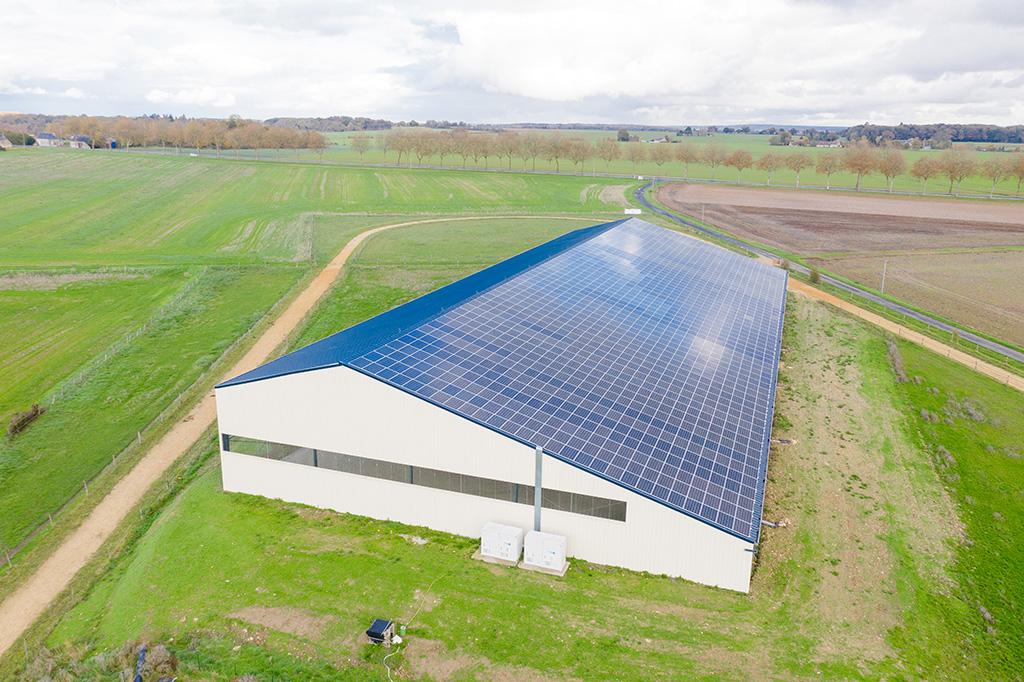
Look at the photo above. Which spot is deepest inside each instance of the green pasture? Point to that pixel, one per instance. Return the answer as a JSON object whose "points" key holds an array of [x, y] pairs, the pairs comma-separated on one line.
{"points": [[407, 262], [124, 390], [124, 277], [340, 152], [200, 587], [757, 145], [109, 208]]}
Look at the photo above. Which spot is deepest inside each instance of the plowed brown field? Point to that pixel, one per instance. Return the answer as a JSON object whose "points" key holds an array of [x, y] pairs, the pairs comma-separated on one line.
{"points": [[961, 259]]}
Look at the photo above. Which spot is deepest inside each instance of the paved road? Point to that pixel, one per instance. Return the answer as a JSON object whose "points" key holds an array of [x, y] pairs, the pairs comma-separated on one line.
{"points": [[865, 295]]}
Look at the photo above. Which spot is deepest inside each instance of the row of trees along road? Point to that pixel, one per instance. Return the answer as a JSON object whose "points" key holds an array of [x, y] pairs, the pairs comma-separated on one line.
{"points": [[861, 159], [234, 133]]}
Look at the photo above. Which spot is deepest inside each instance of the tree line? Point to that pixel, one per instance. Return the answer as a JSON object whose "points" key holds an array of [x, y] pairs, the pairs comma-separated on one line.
{"points": [[525, 149], [940, 135], [231, 134]]}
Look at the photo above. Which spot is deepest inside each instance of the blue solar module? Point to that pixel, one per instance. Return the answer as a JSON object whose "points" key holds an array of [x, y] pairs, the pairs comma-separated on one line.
{"points": [[635, 353]]}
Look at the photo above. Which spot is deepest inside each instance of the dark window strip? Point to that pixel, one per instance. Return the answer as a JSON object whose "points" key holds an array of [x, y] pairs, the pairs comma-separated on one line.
{"points": [[575, 503]]}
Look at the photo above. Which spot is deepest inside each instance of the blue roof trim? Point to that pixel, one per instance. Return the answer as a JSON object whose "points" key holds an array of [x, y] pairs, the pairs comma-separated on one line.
{"points": [[762, 476], [340, 348]]}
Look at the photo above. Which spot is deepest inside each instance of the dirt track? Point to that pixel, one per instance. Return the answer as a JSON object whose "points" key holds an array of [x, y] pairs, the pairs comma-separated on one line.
{"points": [[31, 599], [997, 373]]}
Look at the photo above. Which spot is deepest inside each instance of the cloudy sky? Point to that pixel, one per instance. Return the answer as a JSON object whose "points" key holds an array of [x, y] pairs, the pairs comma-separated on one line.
{"points": [[819, 62]]}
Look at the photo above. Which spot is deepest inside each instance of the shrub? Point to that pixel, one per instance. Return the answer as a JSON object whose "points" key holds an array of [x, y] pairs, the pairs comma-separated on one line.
{"points": [[814, 276], [20, 421]]}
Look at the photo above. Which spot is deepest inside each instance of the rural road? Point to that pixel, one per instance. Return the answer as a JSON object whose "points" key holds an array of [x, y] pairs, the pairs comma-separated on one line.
{"points": [[30, 600], [866, 295]]}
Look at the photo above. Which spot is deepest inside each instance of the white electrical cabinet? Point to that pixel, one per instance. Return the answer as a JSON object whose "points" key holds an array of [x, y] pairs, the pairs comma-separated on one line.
{"points": [[501, 542], [544, 550]]}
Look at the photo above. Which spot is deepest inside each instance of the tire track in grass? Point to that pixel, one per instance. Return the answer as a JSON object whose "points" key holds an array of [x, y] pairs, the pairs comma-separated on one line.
{"points": [[31, 599]]}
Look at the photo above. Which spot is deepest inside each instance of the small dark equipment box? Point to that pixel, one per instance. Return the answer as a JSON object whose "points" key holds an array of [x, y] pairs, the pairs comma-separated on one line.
{"points": [[381, 631]]}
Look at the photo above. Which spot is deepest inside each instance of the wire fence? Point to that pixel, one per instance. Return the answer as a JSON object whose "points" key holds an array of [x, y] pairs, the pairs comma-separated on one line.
{"points": [[133, 447]]}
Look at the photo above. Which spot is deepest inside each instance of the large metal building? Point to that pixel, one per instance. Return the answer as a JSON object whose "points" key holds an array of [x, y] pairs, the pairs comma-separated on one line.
{"points": [[625, 371]]}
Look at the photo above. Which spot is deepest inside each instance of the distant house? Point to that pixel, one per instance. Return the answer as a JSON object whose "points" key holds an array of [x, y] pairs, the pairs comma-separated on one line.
{"points": [[4, 142], [47, 140], [80, 142], [658, 139]]}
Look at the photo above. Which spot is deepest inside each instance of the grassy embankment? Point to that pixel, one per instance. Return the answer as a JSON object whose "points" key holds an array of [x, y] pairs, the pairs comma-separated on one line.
{"points": [[873, 577], [142, 277]]}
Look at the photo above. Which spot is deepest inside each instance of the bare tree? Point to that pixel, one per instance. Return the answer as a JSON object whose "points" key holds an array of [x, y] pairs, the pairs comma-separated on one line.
{"points": [[957, 164], [384, 139], [507, 145], [687, 153], [1016, 167], [360, 144], [401, 142], [217, 134], [608, 150], [660, 153], [925, 167], [635, 152], [770, 163], [798, 162], [316, 141], [714, 155], [995, 169], [195, 135], [891, 163], [828, 163], [860, 159], [458, 143], [424, 145], [529, 148], [480, 146], [254, 137], [739, 159], [277, 139], [579, 150], [555, 149]]}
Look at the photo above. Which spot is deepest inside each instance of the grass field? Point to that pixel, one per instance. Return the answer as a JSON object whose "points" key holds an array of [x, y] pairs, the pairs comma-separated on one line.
{"points": [[341, 152], [872, 575], [124, 277], [757, 145]]}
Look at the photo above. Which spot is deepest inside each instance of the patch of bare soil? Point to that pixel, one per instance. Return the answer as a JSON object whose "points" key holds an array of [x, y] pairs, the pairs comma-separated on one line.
{"points": [[24, 281], [291, 620], [848, 482], [970, 210], [615, 194], [432, 659]]}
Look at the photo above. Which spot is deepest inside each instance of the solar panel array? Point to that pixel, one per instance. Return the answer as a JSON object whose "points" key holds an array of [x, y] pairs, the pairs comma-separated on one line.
{"points": [[640, 355]]}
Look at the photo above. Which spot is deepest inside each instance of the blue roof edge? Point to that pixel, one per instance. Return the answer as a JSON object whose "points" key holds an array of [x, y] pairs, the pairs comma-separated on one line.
{"points": [[762, 475], [348, 344]]}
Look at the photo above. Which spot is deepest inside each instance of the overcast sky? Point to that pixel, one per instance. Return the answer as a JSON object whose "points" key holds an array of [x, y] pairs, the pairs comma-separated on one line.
{"points": [[819, 62]]}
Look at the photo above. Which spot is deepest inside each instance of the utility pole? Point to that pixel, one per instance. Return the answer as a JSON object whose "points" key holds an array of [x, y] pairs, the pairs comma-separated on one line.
{"points": [[884, 264]]}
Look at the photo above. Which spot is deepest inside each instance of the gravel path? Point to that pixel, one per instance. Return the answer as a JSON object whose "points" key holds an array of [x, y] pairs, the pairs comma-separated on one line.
{"points": [[31, 599]]}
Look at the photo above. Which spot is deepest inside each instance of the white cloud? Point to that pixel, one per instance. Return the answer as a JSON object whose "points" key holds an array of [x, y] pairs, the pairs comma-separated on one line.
{"points": [[733, 61], [204, 95]]}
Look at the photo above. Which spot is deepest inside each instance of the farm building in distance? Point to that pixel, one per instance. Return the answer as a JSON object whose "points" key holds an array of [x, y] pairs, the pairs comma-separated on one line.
{"points": [[624, 372]]}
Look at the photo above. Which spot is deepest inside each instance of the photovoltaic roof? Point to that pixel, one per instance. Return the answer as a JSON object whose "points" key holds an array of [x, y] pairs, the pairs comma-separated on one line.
{"points": [[630, 351]]}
